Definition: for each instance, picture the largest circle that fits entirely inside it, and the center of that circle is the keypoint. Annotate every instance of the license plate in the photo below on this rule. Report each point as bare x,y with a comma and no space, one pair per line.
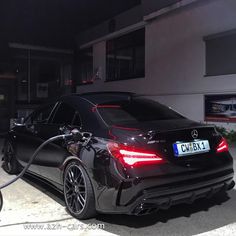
191,148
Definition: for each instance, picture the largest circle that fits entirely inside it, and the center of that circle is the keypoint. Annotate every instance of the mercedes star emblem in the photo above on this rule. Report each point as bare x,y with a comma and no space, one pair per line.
194,133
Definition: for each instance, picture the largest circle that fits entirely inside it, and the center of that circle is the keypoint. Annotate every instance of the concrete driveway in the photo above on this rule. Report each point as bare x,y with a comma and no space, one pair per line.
33,208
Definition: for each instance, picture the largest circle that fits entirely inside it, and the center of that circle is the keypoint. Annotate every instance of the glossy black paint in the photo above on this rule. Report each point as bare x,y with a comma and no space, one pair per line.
119,189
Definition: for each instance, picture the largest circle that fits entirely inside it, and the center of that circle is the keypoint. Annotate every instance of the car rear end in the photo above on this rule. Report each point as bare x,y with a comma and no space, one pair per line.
164,159
158,176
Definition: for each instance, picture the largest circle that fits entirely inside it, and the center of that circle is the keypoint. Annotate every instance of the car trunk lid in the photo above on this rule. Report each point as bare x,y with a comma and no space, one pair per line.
161,137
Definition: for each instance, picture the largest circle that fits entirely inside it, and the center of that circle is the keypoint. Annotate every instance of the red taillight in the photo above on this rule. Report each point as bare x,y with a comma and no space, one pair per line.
222,146
132,156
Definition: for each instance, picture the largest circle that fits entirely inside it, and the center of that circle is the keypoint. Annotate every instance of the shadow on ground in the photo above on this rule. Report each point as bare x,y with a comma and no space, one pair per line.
45,187
202,216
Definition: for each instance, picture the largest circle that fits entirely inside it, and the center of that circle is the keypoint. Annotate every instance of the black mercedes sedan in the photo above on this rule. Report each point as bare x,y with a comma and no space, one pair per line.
141,156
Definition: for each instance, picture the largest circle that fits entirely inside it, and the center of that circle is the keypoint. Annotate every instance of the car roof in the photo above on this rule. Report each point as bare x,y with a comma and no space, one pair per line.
103,97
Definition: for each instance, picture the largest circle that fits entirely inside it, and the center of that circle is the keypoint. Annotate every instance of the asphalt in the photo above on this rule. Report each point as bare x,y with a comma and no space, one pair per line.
33,208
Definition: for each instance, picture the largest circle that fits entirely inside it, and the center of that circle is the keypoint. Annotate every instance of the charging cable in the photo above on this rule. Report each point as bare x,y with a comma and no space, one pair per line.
74,135
63,136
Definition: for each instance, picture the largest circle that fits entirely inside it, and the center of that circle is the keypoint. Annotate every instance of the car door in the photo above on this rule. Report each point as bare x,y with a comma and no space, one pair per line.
28,137
54,154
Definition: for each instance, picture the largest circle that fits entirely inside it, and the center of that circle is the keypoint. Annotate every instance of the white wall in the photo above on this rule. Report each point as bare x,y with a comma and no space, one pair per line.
180,102
175,58
178,57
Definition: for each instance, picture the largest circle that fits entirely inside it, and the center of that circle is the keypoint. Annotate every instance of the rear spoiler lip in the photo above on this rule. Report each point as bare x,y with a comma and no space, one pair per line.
119,127
185,128
153,133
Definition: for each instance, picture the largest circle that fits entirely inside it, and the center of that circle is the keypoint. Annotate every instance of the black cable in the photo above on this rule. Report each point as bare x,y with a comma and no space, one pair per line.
63,136
74,134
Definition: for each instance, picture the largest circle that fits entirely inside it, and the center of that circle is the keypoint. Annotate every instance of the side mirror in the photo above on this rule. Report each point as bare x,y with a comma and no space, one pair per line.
19,122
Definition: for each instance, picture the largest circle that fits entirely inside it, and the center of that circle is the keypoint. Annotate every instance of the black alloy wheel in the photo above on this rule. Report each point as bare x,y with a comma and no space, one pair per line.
78,192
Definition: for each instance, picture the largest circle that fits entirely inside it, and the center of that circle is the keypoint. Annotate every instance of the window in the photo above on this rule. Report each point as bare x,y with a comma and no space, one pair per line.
85,66
41,74
125,56
136,110
76,120
221,54
66,115
40,116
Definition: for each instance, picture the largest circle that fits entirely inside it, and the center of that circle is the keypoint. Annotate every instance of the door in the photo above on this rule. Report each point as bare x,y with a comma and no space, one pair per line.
53,155
29,137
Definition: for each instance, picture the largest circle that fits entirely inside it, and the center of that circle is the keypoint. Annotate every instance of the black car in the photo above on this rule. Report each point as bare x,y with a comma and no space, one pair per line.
142,155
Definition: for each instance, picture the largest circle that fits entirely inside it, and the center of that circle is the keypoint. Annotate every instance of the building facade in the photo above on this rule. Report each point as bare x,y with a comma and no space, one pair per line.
179,54
31,76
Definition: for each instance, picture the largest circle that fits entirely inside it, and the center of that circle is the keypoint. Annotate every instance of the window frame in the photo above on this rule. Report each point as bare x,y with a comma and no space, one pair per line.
76,113
122,105
38,111
216,70
87,80
133,48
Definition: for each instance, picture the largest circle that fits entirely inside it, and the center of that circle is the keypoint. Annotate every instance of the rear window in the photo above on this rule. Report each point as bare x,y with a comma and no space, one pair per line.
136,110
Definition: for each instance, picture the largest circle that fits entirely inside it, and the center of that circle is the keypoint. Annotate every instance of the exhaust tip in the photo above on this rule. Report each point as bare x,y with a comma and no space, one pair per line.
145,209
231,185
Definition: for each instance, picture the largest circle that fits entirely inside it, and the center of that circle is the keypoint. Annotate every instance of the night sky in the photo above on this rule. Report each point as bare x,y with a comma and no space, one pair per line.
53,22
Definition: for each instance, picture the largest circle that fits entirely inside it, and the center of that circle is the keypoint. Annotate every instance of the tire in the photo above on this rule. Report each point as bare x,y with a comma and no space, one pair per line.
10,164
78,192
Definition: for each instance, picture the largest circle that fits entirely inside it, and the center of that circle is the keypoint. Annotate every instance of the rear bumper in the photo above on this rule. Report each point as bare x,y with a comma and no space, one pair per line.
144,196
155,199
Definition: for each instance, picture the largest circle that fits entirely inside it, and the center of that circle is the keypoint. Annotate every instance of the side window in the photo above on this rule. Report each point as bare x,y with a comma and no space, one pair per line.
64,115
77,120
40,116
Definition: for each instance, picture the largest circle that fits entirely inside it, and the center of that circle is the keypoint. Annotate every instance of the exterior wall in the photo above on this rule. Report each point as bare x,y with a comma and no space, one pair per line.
153,5
178,57
123,20
193,103
175,58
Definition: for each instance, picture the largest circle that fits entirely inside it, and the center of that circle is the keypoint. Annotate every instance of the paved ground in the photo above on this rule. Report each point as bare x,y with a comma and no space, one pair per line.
34,209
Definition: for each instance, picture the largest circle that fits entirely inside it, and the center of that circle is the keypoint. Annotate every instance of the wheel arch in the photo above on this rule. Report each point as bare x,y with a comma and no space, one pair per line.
66,162
9,137
70,159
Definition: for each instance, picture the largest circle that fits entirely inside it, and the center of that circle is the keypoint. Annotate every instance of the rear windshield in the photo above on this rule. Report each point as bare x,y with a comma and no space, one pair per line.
136,110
